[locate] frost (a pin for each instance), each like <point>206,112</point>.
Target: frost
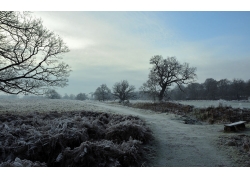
<point>71,138</point>
<point>59,157</point>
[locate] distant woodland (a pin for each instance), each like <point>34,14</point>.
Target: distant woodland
<point>237,89</point>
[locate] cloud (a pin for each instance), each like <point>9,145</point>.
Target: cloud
<point>106,47</point>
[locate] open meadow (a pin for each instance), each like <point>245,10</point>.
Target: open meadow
<point>45,132</point>
<point>216,103</point>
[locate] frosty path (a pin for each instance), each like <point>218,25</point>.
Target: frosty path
<point>176,144</point>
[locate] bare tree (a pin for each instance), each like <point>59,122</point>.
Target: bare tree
<point>210,88</point>
<point>237,88</point>
<point>52,94</point>
<point>102,93</point>
<point>223,87</point>
<point>29,55</point>
<point>81,96</point>
<point>150,88</point>
<point>247,89</point>
<point>165,72</point>
<point>123,90</point>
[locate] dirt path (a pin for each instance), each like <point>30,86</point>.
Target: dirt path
<point>177,144</point>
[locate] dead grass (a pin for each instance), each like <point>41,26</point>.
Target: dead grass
<point>77,138</point>
<point>221,114</point>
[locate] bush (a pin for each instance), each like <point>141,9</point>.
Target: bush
<point>52,94</point>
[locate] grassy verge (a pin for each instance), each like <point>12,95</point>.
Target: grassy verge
<point>221,114</point>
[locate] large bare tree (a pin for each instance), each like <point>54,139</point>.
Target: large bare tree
<point>29,55</point>
<point>123,90</point>
<point>165,72</point>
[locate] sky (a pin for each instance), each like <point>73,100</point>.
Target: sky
<point>109,46</point>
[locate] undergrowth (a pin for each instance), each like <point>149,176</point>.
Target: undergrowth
<point>72,139</point>
<point>220,114</point>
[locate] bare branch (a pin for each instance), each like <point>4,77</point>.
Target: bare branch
<point>123,91</point>
<point>29,55</point>
<point>165,72</point>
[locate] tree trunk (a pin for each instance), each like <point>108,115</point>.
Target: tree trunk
<point>162,93</point>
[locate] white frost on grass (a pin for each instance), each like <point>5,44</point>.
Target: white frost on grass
<point>25,106</point>
<point>216,103</point>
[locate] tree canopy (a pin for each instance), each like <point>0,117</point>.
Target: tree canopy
<point>102,93</point>
<point>123,91</point>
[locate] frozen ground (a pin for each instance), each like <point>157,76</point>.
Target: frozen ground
<point>205,104</point>
<point>176,144</point>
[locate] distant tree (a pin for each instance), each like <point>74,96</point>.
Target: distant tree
<point>102,93</point>
<point>237,88</point>
<point>72,96</point>
<point>151,87</point>
<point>29,55</point>
<point>247,88</point>
<point>210,88</point>
<point>178,93</point>
<point>66,96</point>
<point>123,91</point>
<point>194,91</point>
<point>165,72</point>
<point>223,87</point>
<point>81,96</point>
<point>91,95</point>
<point>52,94</point>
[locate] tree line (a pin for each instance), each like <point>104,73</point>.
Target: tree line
<point>236,89</point>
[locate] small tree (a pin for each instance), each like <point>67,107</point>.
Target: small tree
<point>165,72</point>
<point>29,55</point>
<point>210,88</point>
<point>123,90</point>
<point>52,94</point>
<point>151,88</point>
<point>81,96</point>
<point>72,96</point>
<point>66,96</point>
<point>102,93</point>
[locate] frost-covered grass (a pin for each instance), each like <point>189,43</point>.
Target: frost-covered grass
<point>200,103</point>
<point>41,105</point>
<point>216,103</point>
<point>64,133</point>
<point>222,113</point>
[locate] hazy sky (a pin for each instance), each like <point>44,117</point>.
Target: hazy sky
<point>107,47</point>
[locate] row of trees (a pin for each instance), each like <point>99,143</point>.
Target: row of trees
<point>162,75</point>
<point>29,62</point>
<point>237,89</point>
<point>53,94</point>
<point>121,90</point>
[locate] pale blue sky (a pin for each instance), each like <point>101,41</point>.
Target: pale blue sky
<point>107,47</point>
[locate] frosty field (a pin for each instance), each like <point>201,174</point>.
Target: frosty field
<point>174,143</point>
<point>68,133</point>
<point>41,105</point>
<point>216,103</point>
